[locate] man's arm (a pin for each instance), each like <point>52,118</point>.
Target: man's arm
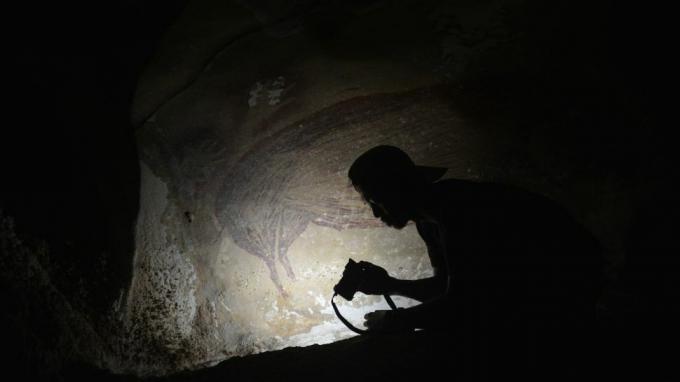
<point>434,312</point>
<point>377,281</point>
<point>421,290</point>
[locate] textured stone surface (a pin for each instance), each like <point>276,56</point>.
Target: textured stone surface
<point>246,119</point>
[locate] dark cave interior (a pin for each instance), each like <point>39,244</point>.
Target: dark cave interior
<point>586,79</point>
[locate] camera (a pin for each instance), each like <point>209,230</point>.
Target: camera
<point>352,276</point>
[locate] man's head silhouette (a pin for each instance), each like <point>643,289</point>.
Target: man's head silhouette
<point>391,183</point>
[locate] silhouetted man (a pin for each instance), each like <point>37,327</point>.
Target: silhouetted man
<point>509,266</point>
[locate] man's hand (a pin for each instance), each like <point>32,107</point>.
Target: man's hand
<point>375,279</point>
<point>386,321</point>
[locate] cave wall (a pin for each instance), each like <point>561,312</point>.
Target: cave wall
<point>71,178</point>
<point>177,191</point>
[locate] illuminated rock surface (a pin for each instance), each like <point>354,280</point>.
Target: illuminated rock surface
<point>247,217</point>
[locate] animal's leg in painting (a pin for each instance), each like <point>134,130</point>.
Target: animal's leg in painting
<point>281,248</point>
<point>283,258</point>
<point>274,275</point>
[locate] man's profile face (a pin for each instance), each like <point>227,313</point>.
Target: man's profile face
<point>388,210</point>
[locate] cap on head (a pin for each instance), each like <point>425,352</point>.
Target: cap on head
<point>383,164</point>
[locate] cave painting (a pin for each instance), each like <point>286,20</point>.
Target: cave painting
<point>298,175</point>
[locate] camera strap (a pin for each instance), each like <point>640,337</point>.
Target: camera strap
<point>348,324</point>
